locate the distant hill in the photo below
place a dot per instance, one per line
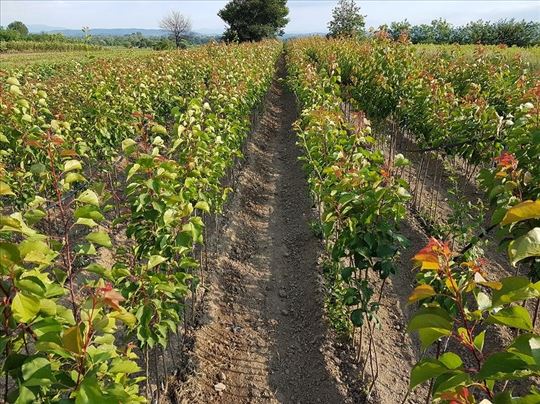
(39, 28)
(110, 32)
(301, 35)
(77, 33)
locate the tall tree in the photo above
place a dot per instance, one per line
(177, 25)
(398, 28)
(347, 20)
(253, 20)
(19, 27)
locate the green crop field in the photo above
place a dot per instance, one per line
(529, 55)
(23, 59)
(238, 214)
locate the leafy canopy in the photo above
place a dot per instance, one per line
(19, 27)
(346, 20)
(254, 20)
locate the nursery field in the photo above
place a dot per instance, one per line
(529, 55)
(331, 221)
(429, 213)
(10, 61)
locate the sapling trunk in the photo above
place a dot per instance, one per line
(415, 192)
(535, 315)
(156, 374)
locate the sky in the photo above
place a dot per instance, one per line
(305, 16)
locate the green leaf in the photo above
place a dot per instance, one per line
(98, 269)
(89, 392)
(36, 251)
(497, 216)
(203, 205)
(5, 189)
(124, 366)
(525, 246)
(158, 129)
(9, 255)
(425, 370)
(527, 347)
(450, 360)
(133, 170)
(38, 168)
(15, 90)
(532, 397)
(13, 81)
(86, 222)
(101, 238)
(72, 339)
(168, 216)
(357, 317)
(513, 316)
(52, 347)
(24, 395)
(65, 315)
(47, 307)
(126, 317)
(37, 372)
(85, 249)
(74, 177)
(431, 324)
(449, 381)
(13, 361)
(155, 260)
(514, 289)
(479, 341)
(89, 212)
(24, 307)
(15, 222)
(34, 215)
(31, 284)
(128, 145)
(47, 325)
(503, 366)
(89, 197)
(71, 165)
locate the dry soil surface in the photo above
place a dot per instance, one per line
(264, 337)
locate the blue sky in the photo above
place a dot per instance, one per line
(305, 16)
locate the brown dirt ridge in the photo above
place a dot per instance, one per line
(264, 337)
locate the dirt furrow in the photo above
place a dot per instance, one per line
(264, 337)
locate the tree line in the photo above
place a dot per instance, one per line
(347, 20)
(508, 32)
(254, 20)
(18, 32)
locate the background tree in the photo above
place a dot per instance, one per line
(397, 28)
(178, 27)
(19, 27)
(253, 20)
(347, 20)
(442, 31)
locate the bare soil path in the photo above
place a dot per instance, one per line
(264, 337)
